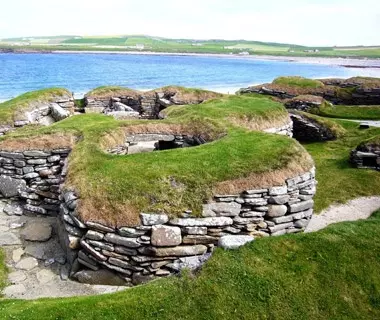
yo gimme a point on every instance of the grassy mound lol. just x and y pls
(112, 91)
(348, 112)
(331, 274)
(10, 108)
(298, 82)
(114, 189)
(187, 95)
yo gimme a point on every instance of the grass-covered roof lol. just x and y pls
(11, 108)
(114, 188)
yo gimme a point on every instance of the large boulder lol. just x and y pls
(58, 113)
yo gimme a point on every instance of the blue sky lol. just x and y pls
(309, 22)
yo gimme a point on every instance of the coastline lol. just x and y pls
(343, 62)
(358, 62)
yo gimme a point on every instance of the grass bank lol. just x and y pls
(348, 112)
(331, 274)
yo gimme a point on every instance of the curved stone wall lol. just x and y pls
(161, 246)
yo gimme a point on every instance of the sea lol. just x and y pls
(81, 72)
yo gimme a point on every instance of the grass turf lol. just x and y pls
(331, 274)
(298, 82)
(3, 270)
(338, 182)
(10, 108)
(114, 189)
(348, 112)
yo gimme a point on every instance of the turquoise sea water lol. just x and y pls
(81, 72)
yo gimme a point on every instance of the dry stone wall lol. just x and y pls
(366, 157)
(31, 180)
(149, 142)
(161, 245)
(136, 105)
(43, 113)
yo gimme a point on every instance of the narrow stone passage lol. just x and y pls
(36, 262)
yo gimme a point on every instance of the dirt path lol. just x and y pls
(360, 208)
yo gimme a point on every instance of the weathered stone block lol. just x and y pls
(204, 222)
(127, 242)
(279, 199)
(196, 230)
(234, 242)
(277, 191)
(165, 236)
(228, 209)
(198, 239)
(153, 219)
(276, 211)
(10, 187)
(301, 206)
(179, 251)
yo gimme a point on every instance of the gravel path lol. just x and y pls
(360, 208)
(371, 123)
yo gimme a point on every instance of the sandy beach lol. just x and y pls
(344, 62)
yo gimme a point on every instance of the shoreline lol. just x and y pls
(359, 62)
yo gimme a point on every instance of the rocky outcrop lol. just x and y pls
(161, 246)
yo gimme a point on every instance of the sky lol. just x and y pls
(306, 22)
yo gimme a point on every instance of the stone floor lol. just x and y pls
(36, 262)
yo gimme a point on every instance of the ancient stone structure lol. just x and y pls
(143, 105)
(366, 156)
(42, 113)
(306, 129)
(161, 246)
(149, 142)
(353, 91)
(32, 179)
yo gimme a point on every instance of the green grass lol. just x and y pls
(331, 274)
(338, 182)
(298, 82)
(159, 44)
(9, 108)
(3, 270)
(123, 186)
(349, 112)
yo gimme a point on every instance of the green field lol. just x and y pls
(331, 274)
(159, 44)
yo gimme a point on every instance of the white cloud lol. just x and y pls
(313, 22)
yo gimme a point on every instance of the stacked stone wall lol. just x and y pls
(32, 179)
(161, 245)
(42, 113)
